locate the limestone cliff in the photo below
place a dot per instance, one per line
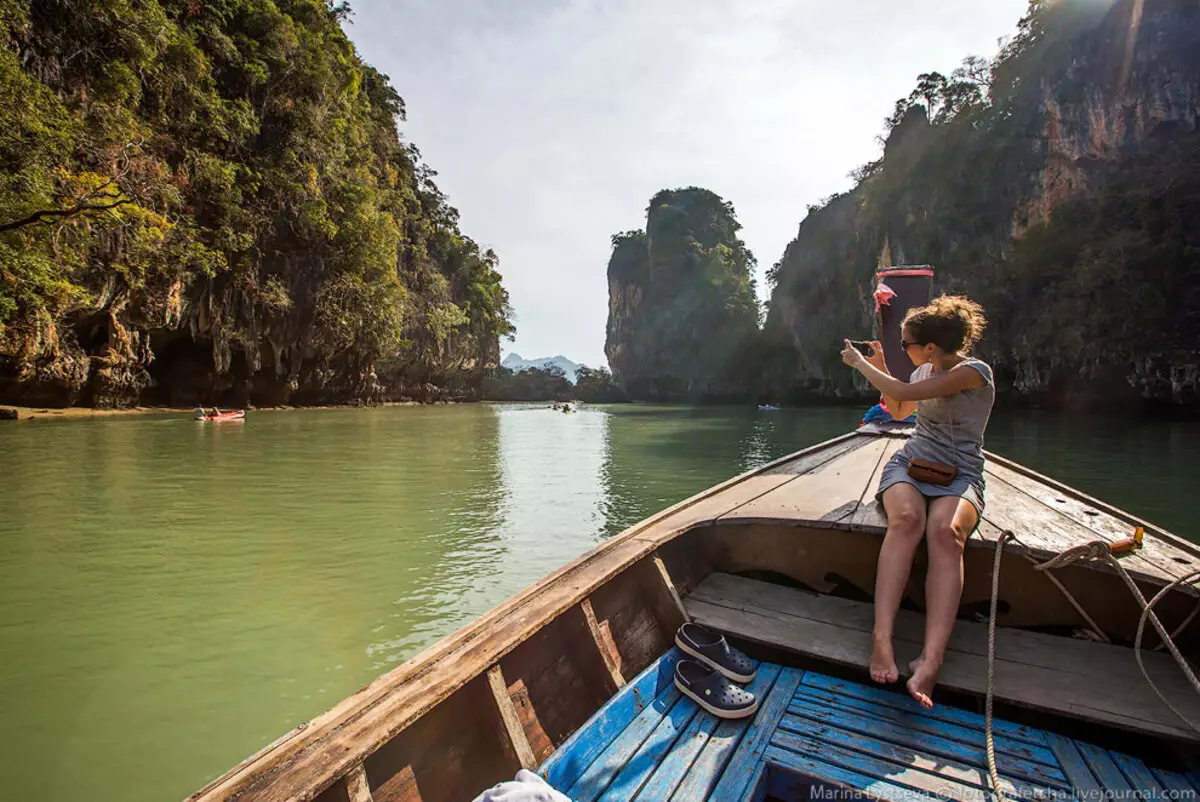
(1057, 186)
(683, 318)
(211, 203)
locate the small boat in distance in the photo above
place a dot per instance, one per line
(768, 407)
(236, 414)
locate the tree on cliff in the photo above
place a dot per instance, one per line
(683, 314)
(1056, 185)
(213, 197)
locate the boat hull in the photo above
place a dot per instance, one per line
(530, 672)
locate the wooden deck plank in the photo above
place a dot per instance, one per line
(707, 767)
(634, 774)
(1091, 688)
(739, 772)
(752, 488)
(1036, 511)
(568, 763)
(870, 516)
(896, 733)
(1176, 783)
(792, 773)
(1103, 767)
(1153, 532)
(670, 771)
(1074, 766)
(1138, 775)
(968, 737)
(907, 776)
(924, 752)
(825, 496)
(616, 754)
(972, 724)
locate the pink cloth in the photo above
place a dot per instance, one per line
(883, 295)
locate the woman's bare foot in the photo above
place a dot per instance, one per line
(883, 663)
(923, 679)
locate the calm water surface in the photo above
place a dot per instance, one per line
(175, 595)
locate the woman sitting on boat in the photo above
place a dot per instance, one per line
(934, 485)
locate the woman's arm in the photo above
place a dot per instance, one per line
(898, 409)
(948, 383)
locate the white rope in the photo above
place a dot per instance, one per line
(989, 740)
(1148, 612)
(1095, 550)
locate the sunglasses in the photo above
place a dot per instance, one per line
(905, 344)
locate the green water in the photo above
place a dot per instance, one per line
(174, 595)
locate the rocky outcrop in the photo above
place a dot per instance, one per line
(211, 203)
(683, 317)
(1061, 196)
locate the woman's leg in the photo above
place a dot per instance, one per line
(905, 508)
(951, 521)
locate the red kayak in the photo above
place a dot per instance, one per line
(237, 414)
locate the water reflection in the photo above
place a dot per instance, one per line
(200, 589)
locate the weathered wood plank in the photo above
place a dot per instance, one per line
(1074, 766)
(788, 778)
(876, 697)
(708, 765)
(669, 584)
(1069, 655)
(845, 728)
(756, 789)
(925, 752)
(826, 496)
(966, 737)
(637, 770)
(670, 771)
(814, 625)
(1042, 516)
(357, 788)
(740, 770)
(870, 516)
(604, 644)
(908, 770)
(1104, 768)
(1138, 775)
(1152, 531)
(569, 762)
(508, 714)
(617, 754)
(1176, 783)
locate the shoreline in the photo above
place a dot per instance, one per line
(74, 413)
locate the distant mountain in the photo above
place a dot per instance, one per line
(514, 362)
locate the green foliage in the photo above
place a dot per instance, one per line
(1084, 255)
(530, 384)
(257, 164)
(598, 386)
(684, 314)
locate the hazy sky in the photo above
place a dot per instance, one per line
(551, 123)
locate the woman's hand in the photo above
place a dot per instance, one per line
(876, 355)
(852, 356)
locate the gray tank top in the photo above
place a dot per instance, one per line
(950, 429)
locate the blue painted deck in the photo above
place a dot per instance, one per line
(818, 737)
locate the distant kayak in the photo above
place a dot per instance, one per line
(768, 407)
(237, 414)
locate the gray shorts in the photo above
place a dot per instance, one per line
(966, 486)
